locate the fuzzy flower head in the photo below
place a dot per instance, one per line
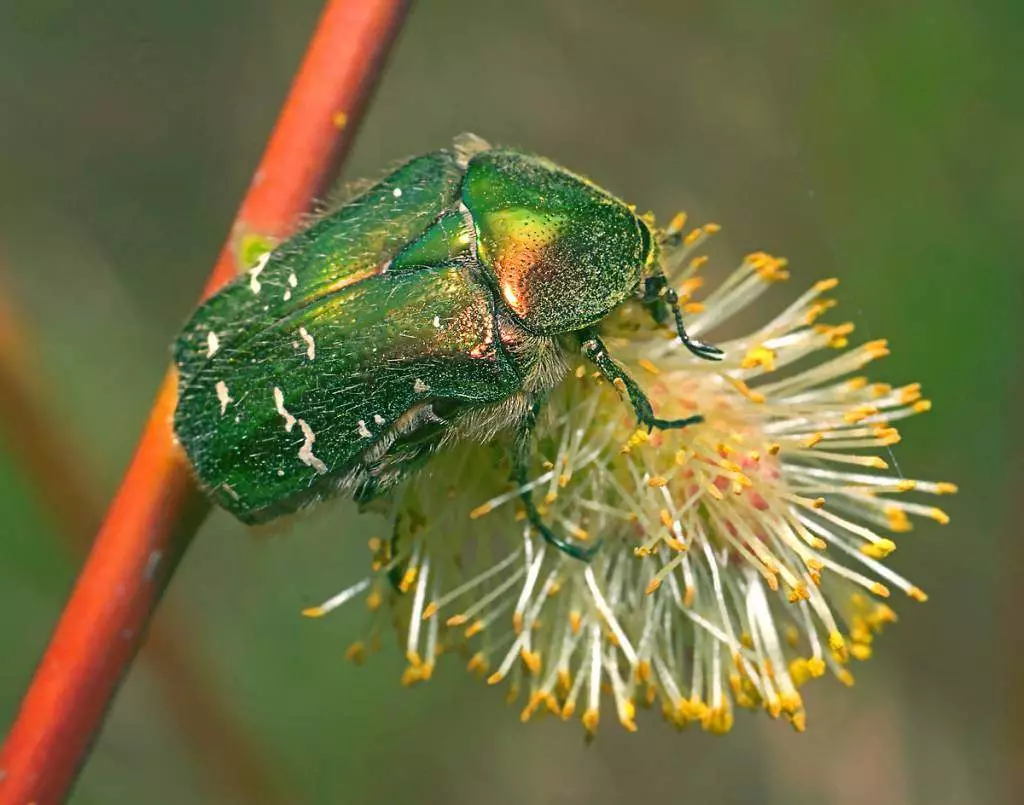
(738, 557)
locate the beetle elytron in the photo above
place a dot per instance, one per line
(440, 303)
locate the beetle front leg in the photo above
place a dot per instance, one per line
(657, 292)
(521, 476)
(596, 352)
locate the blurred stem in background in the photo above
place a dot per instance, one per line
(39, 445)
(158, 509)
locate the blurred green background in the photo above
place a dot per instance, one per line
(881, 143)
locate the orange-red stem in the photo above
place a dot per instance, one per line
(158, 509)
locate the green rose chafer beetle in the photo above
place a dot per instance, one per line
(440, 303)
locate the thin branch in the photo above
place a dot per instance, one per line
(45, 454)
(158, 509)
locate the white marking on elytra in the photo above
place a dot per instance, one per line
(362, 430)
(437, 322)
(280, 473)
(397, 192)
(287, 294)
(310, 343)
(293, 280)
(289, 420)
(420, 387)
(306, 451)
(222, 396)
(254, 283)
(212, 344)
(379, 419)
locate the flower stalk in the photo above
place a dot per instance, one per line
(158, 509)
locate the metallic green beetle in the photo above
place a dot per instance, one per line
(441, 303)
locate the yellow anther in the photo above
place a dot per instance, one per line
(921, 406)
(945, 488)
(429, 610)
(880, 589)
(676, 545)
(666, 518)
(692, 237)
(711, 228)
(475, 628)
(456, 620)
(517, 622)
(938, 515)
(799, 671)
(836, 642)
(477, 664)
(652, 585)
(480, 511)
(859, 414)
(815, 311)
(880, 389)
(408, 579)
(759, 356)
(799, 721)
(692, 308)
(754, 396)
(898, 520)
(657, 481)
(643, 671)
(638, 438)
(697, 262)
(906, 485)
(878, 348)
(627, 717)
(581, 372)
(374, 600)
(857, 383)
(816, 666)
(876, 463)
(590, 720)
(620, 384)
(769, 268)
(677, 223)
(821, 286)
(687, 287)
(495, 678)
(356, 653)
(575, 621)
(845, 677)
(812, 440)
(909, 394)
(917, 594)
(718, 720)
(531, 659)
(798, 593)
(878, 550)
(375, 544)
(860, 651)
(791, 702)
(412, 675)
(314, 612)
(688, 595)
(714, 491)
(773, 448)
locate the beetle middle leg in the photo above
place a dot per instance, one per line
(521, 476)
(656, 295)
(596, 352)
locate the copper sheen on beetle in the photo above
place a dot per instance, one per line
(439, 304)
